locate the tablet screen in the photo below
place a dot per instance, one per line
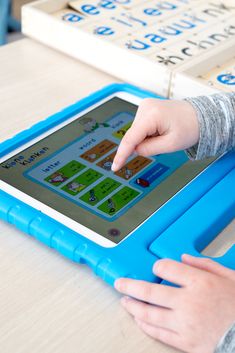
(70, 171)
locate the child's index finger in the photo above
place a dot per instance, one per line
(133, 137)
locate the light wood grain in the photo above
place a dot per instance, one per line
(49, 304)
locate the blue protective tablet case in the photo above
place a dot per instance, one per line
(186, 223)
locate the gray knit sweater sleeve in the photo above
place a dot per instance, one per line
(227, 342)
(216, 115)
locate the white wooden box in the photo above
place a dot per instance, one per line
(38, 23)
(160, 67)
(207, 74)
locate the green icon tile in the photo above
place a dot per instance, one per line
(119, 200)
(100, 191)
(82, 181)
(64, 173)
(122, 131)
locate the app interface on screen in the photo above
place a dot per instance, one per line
(70, 171)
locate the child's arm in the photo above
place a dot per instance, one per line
(195, 316)
(167, 126)
(216, 116)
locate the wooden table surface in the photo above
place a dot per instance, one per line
(47, 303)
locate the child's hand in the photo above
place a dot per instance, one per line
(159, 127)
(191, 318)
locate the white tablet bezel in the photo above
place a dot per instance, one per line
(49, 211)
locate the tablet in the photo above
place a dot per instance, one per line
(66, 173)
